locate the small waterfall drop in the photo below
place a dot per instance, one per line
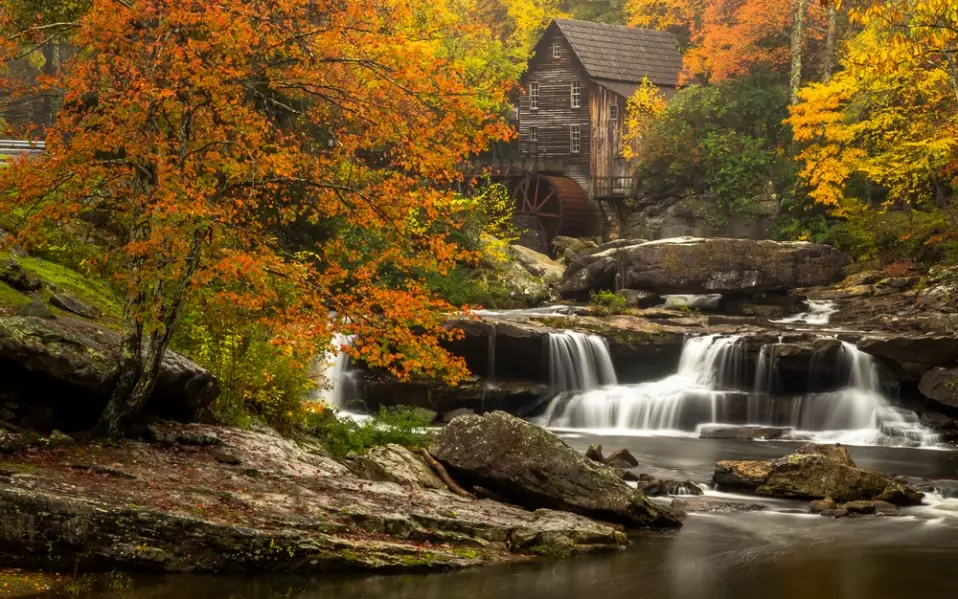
(819, 313)
(579, 362)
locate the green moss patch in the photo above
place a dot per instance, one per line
(85, 289)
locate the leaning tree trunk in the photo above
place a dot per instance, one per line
(798, 36)
(141, 360)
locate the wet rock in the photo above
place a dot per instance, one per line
(72, 304)
(534, 468)
(814, 471)
(701, 266)
(626, 475)
(713, 504)
(941, 385)
(34, 310)
(395, 464)
(622, 458)
(909, 356)
(746, 433)
(18, 277)
(870, 507)
(594, 453)
(82, 358)
(835, 513)
(657, 487)
(821, 505)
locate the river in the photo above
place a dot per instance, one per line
(779, 553)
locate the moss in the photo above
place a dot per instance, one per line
(470, 554)
(85, 289)
(18, 468)
(11, 297)
(552, 551)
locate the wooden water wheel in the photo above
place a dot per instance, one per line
(558, 205)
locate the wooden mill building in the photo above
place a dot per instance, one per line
(571, 117)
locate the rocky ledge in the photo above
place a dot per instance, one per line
(201, 498)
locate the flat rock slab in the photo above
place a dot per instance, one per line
(283, 508)
(745, 433)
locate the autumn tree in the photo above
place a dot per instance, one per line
(204, 129)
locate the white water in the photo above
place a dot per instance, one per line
(819, 312)
(708, 388)
(557, 310)
(333, 388)
(579, 362)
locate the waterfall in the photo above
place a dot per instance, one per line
(336, 380)
(714, 384)
(579, 362)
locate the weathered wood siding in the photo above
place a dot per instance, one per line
(555, 115)
(607, 164)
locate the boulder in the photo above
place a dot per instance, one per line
(941, 385)
(35, 310)
(689, 265)
(533, 468)
(594, 453)
(814, 472)
(19, 278)
(567, 248)
(538, 265)
(622, 458)
(72, 304)
(395, 464)
(67, 367)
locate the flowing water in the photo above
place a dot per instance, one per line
(579, 362)
(711, 387)
(819, 313)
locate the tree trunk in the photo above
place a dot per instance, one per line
(140, 362)
(798, 36)
(831, 41)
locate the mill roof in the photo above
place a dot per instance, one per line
(623, 54)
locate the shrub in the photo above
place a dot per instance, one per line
(606, 303)
(402, 425)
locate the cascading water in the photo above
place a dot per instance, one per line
(708, 388)
(819, 312)
(579, 362)
(336, 380)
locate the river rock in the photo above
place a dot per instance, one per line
(67, 368)
(814, 472)
(703, 504)
(396, 464)
(594, 453)
(622, 458)
(534, 468)
(941, 385)
(909, 356)
(821, 505)
(687, 265)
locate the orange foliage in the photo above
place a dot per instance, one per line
(205, 129)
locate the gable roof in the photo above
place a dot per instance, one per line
(619, 53)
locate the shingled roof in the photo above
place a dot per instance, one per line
(617, 53)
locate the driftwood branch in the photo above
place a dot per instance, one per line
(440, 470)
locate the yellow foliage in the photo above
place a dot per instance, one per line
(641, 109)
(891, 115)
